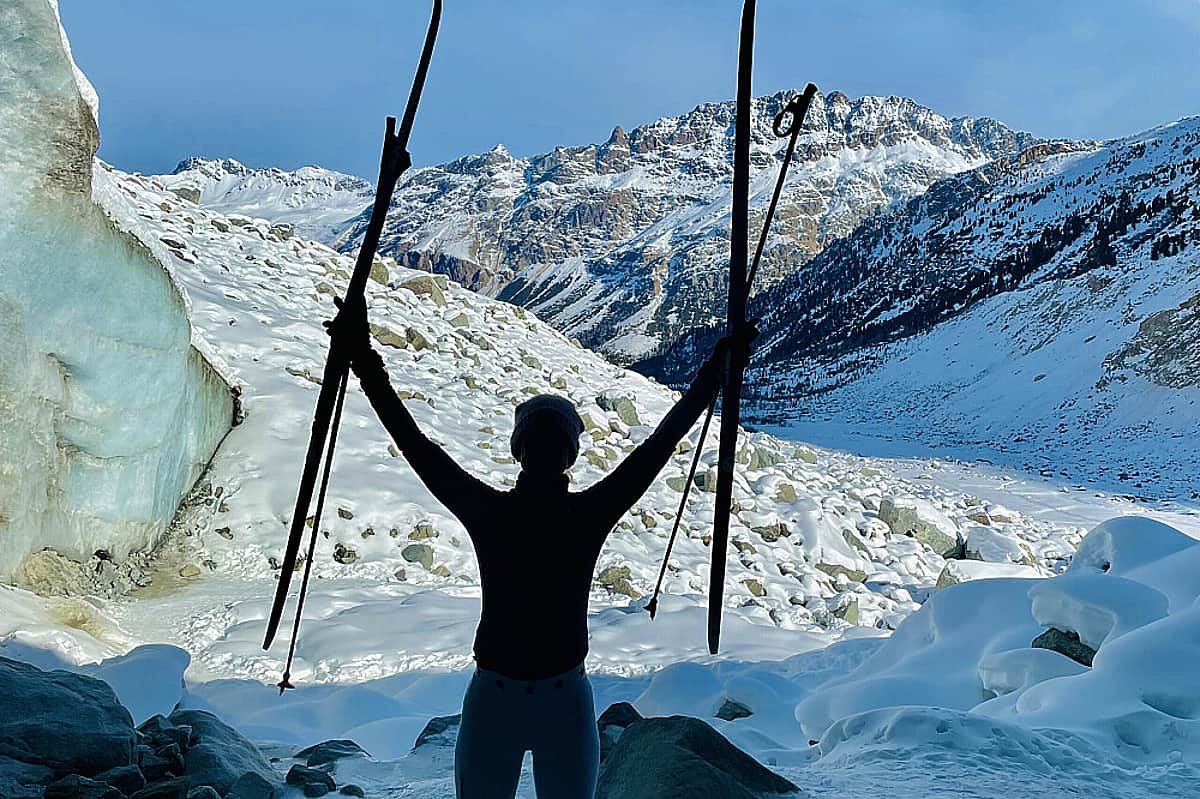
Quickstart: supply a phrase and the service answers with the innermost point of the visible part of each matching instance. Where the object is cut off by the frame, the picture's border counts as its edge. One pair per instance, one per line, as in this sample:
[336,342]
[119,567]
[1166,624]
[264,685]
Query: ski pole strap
[787,123]
[652,605]
[286,683]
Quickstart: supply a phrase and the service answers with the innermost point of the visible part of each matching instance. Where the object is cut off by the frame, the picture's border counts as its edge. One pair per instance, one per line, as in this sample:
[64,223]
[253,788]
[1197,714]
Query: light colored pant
[502,719]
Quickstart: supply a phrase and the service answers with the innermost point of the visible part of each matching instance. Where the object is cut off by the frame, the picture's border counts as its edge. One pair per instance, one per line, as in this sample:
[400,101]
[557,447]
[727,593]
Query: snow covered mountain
[316,202]
[1037,310]
[624,244]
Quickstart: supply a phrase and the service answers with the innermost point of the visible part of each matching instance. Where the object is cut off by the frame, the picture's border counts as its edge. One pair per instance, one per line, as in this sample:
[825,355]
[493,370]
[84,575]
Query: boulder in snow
[220,755]
[67,722]
[680,757]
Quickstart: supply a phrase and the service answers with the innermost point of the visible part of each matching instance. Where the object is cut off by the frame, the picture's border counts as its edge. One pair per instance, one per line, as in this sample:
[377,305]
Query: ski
[327,416]
[734,321]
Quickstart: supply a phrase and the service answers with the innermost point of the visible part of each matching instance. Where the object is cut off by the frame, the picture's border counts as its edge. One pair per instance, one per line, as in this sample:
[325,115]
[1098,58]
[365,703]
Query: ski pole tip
[652,607]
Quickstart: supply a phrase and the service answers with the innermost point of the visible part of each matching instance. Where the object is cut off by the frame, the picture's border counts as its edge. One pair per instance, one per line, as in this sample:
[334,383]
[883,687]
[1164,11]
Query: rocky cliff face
[625,244]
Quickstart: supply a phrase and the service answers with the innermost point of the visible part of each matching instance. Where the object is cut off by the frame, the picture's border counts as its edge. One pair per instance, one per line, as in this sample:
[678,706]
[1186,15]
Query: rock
[189,193]
[189,570]
[612,723]
[67,722]
[850,613]
[904,519]
[418,553]
[174,788]
[431,286]
[617,579]
[350,789]
[281,231]
[676,483]
[833,570]
[422,531]
[946,578]
[47,573]
[20,780]
[379,273]
[441,731]
[344,554]
[305,776]
[220,754]
[251,786]
[805,454]
[155,767]
[345,513]
[731,709]
[1065,643]
[755,586]
[418,341]
[771,532]
[679,756]
[77,787]
[330,751]
[459,320]
[158,731]
[388,337]
[623,406]
[126,779]
[786,492]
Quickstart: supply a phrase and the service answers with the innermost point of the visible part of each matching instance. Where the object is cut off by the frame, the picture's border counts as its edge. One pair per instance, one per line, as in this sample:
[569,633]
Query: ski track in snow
[379,655]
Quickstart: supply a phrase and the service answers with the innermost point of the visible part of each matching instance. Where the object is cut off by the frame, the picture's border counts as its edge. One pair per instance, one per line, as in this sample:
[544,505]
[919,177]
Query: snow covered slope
[316,202]
[1037,311]
[807,539]
[108,413]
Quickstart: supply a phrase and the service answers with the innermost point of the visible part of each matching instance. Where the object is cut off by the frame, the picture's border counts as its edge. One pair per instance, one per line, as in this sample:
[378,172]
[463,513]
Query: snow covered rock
[68,723]
[1132,596]
[108,413]
[678,757]
[919,520]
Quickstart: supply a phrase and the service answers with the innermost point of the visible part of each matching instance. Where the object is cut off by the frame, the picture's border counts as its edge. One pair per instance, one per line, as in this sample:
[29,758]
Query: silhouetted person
[537,546]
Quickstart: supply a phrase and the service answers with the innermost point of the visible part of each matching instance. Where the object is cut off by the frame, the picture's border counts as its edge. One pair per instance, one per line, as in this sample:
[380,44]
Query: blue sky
[298,82]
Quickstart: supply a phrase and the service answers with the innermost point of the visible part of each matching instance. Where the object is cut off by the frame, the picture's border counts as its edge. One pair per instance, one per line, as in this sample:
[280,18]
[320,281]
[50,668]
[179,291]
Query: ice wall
[107,412]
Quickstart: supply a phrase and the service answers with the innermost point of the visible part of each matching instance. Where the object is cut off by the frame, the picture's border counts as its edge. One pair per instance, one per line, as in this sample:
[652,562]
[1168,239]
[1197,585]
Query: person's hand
[737,345]
[349,329]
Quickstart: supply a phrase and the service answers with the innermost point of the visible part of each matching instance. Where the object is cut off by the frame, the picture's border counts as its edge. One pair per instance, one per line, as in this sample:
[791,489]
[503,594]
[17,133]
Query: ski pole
[393,163]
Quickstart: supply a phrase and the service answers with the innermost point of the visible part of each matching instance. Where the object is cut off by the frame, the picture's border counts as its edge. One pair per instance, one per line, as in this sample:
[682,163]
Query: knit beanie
[556,410]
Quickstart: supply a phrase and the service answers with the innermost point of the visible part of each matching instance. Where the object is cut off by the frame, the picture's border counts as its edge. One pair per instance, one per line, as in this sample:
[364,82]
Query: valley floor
[384,658]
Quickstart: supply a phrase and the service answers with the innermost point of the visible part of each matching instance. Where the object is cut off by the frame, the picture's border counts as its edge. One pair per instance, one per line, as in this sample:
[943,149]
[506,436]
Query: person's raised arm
[617,492]
[461,493]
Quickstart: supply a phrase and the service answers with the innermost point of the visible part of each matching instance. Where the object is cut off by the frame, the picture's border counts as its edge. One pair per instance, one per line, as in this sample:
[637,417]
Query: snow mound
[1132,593]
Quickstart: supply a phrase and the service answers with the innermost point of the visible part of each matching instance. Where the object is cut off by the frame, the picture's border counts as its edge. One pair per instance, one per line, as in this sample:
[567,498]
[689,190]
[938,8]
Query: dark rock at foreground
[219,755]
[329,752]
[679,757]
[612,723]
[69,723]
[440,731]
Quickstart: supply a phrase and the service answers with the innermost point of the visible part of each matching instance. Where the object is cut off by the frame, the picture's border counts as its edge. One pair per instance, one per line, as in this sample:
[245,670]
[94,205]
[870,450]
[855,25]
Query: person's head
[545,436]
